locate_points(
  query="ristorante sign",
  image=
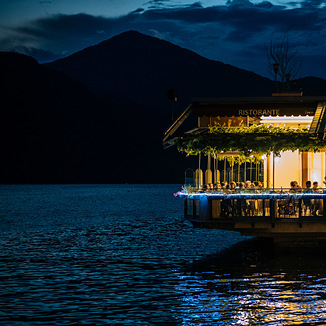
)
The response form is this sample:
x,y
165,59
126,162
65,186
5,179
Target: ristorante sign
x,y
254,109
254,112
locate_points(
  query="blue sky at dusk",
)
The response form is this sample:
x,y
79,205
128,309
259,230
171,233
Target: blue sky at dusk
x,y
233,31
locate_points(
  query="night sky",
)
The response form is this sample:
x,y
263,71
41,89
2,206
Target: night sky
x,y
236,32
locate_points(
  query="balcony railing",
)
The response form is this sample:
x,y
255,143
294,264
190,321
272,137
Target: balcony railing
x,y
256,204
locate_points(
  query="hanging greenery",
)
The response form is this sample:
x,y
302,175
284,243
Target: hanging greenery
x,y
251,143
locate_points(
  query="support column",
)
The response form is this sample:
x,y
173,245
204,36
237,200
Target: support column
x,y
199,174
268,173
322,157
208,172
305,168
216,177
245,172
239,168
214,169
273,170
232,172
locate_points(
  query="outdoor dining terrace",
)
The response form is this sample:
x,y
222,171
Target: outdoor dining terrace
x,y
255,204
280,214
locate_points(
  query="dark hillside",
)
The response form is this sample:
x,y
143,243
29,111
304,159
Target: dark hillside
x,y
99,115
312,86
44,117
131,74
54,130
143,68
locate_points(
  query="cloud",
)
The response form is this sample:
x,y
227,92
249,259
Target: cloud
x,y
240,3
41,55
59,34
235,33
312,3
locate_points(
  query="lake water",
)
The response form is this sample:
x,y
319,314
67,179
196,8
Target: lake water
x,y
123,255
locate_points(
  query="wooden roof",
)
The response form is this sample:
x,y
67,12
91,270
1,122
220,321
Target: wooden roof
x,y
286,105
282,104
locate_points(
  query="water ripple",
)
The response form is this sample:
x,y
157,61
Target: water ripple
x,y
122,255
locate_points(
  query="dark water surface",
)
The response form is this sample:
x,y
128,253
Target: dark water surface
x,y
122,255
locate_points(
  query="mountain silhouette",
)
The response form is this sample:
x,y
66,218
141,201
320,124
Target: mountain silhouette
x,y
99,115
131,73
143,68
44,117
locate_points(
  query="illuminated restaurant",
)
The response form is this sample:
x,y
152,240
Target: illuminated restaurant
x,y
261,165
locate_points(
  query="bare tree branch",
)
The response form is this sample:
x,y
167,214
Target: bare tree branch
x,y
283,61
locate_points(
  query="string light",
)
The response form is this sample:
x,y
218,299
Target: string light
x,y
287,119
263,195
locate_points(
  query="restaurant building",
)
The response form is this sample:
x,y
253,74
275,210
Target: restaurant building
x,y
270,141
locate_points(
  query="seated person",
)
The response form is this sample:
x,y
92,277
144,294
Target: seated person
x,y
233,186
248,184
209,187
217,186
204,188
315,187
317,204
295,187
241,185
224,184
298,186
306,200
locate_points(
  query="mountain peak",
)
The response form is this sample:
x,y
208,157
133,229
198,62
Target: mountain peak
x,y
130,37
132,33
125,46
143,67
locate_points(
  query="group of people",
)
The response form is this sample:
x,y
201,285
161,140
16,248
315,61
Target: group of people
x,y
224,186
312,206
295,187
232,186
286,207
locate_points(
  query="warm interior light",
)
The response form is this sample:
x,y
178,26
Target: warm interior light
x,y
286,119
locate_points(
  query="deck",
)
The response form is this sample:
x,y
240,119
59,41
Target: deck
x,y
281,215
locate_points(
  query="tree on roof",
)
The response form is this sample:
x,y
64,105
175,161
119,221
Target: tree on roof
x,y
283,61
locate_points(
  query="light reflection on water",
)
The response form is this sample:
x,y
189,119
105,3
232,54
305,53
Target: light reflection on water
x,y
249,286
122,255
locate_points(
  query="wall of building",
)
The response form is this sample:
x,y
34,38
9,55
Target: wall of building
x,y
289,167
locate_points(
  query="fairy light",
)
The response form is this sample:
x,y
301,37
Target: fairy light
x,y
263,195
